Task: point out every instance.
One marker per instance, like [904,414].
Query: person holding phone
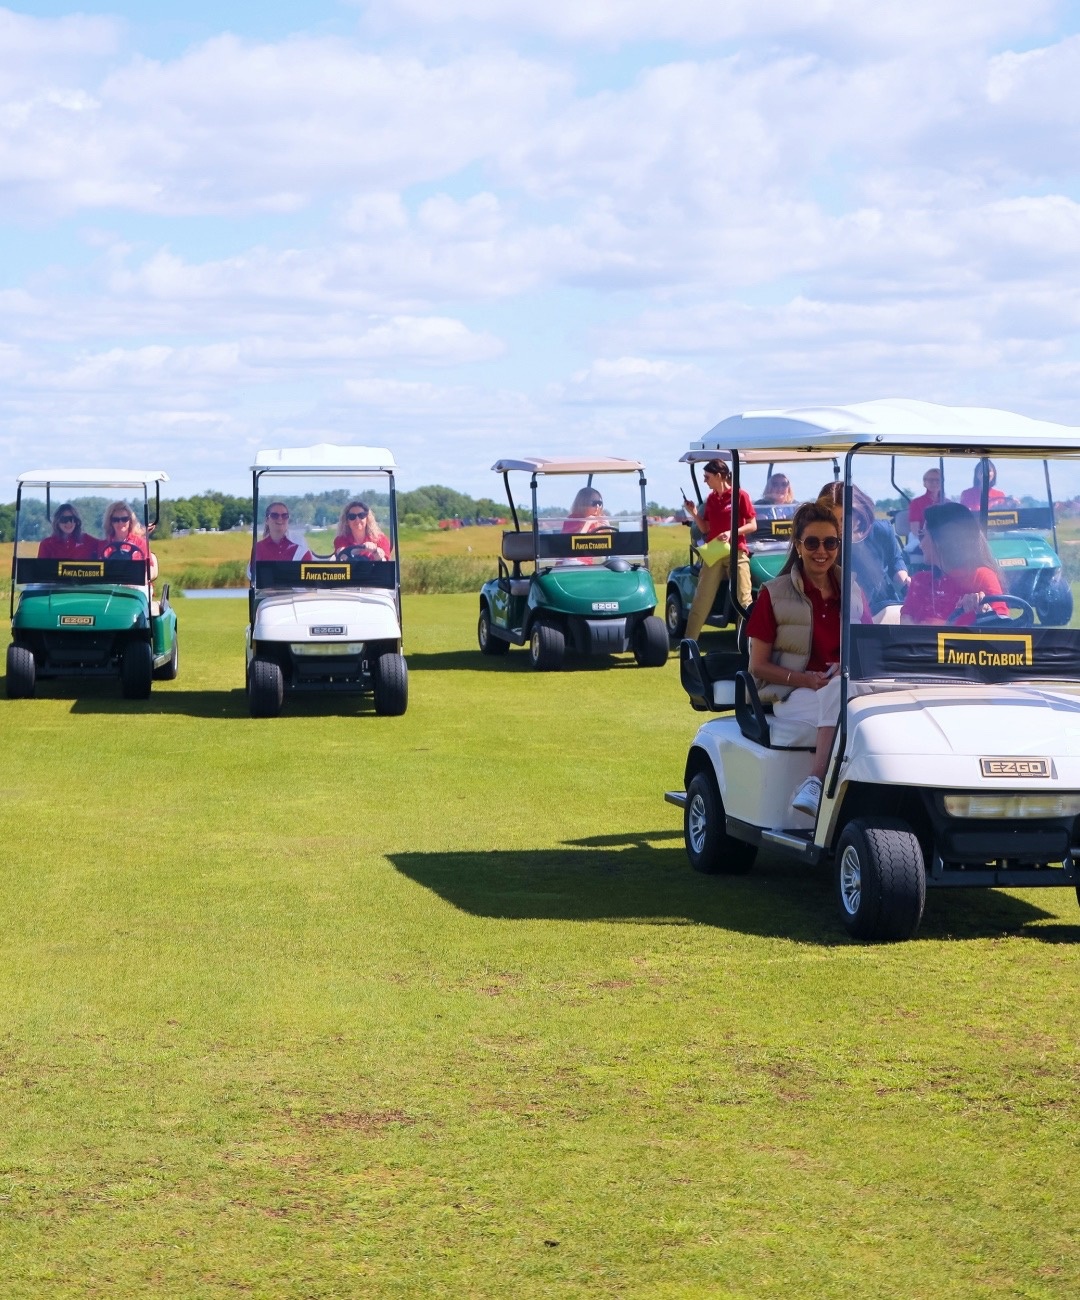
[714,520]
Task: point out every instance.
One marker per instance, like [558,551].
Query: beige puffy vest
[794,617]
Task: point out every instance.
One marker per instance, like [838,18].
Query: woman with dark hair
[714,521]
[877,562]
[794,632]
[67,541]
[962,573]
[972,496]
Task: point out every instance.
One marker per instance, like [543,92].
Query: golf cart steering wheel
[991,618]
[120,551]
[351,553]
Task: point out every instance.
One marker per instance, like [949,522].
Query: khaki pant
[709,580]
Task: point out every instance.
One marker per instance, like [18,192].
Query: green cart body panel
[594,593]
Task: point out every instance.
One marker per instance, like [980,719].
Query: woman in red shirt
[125,538]
[963,572]
[359,536]
[972,496]
[714,521]
[67,540]
[275,543]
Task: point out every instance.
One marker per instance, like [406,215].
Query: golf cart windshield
[323,529]
[66,535]
[992,549]
[586,518]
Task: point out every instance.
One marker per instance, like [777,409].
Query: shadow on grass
[646,879]
[516,660]
[98,698]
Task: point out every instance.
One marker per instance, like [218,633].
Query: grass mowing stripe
[336,1004]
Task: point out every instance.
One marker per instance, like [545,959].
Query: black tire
[708,845]
[266,688]
[168,670]
[391,684]
[649,643]
[490,644]
[1055,605]
[674,617]
[547,647]
[137,671]
[880,880]
[21,673]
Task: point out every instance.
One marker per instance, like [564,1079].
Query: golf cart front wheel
[880,880]
[168,670]
[490,644]
[650,643]
[21,673]
[675,617]
[547,647]
[137,671]
[391,685]
[266,688]
[708,845]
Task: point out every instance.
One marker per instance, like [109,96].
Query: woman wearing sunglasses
[67,541]
[359,536]
[275,543]
[125,538]
[794,632]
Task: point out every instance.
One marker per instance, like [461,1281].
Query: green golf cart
[768,544]
[575,575]
[84,608]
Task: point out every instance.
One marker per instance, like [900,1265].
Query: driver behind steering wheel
[962,574]
[359,536]
[124,537]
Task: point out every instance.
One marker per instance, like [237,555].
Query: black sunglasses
[812,543]
[277,514]
[65,519]
[357,514]
[119,519]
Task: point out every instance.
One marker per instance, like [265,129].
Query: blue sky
[471,228]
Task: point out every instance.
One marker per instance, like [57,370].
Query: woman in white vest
[794,635]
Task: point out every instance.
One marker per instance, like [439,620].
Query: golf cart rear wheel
[490,644]
[21,673]
[708,845]
[266,688]
[880,880]
[1054,606]
[675,617]
[168,670]
[547,647]
[650,643]
[137,671]
[391,685]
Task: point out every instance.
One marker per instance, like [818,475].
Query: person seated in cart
[794,631]
[962,573]
[125,538]
[972,496]
[275,543]
[714,521]
[586,513]
[932,496]
[778,492]
[67,541]
[359,536]
[878,562]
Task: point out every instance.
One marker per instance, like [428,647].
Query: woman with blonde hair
[124,538]
[359,536]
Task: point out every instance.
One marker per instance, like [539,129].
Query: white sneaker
[807,797]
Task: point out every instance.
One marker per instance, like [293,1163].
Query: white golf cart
[957,753]
[325,608]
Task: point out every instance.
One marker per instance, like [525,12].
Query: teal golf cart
[573,576]
[768,544]
[86,610]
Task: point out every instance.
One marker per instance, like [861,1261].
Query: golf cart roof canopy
[94,477]
[890,422]
[770,457]
[569,465]
[325,456]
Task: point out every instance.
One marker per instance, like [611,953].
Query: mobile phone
[832,670]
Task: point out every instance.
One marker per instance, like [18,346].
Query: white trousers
[805,710]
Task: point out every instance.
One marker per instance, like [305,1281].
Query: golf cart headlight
[339,648]
[1012,806]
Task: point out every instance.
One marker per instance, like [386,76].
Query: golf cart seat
[758,723]
[901,523]
[517,547]
[709,679]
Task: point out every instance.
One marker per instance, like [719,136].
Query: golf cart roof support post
[510,498]
[535,526]
[642,480]
[694,480]
[733,554]
[255,476]
[15,548]
[397,548]
[848,586]
[1050,502]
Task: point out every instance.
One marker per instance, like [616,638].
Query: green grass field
[336,1005]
